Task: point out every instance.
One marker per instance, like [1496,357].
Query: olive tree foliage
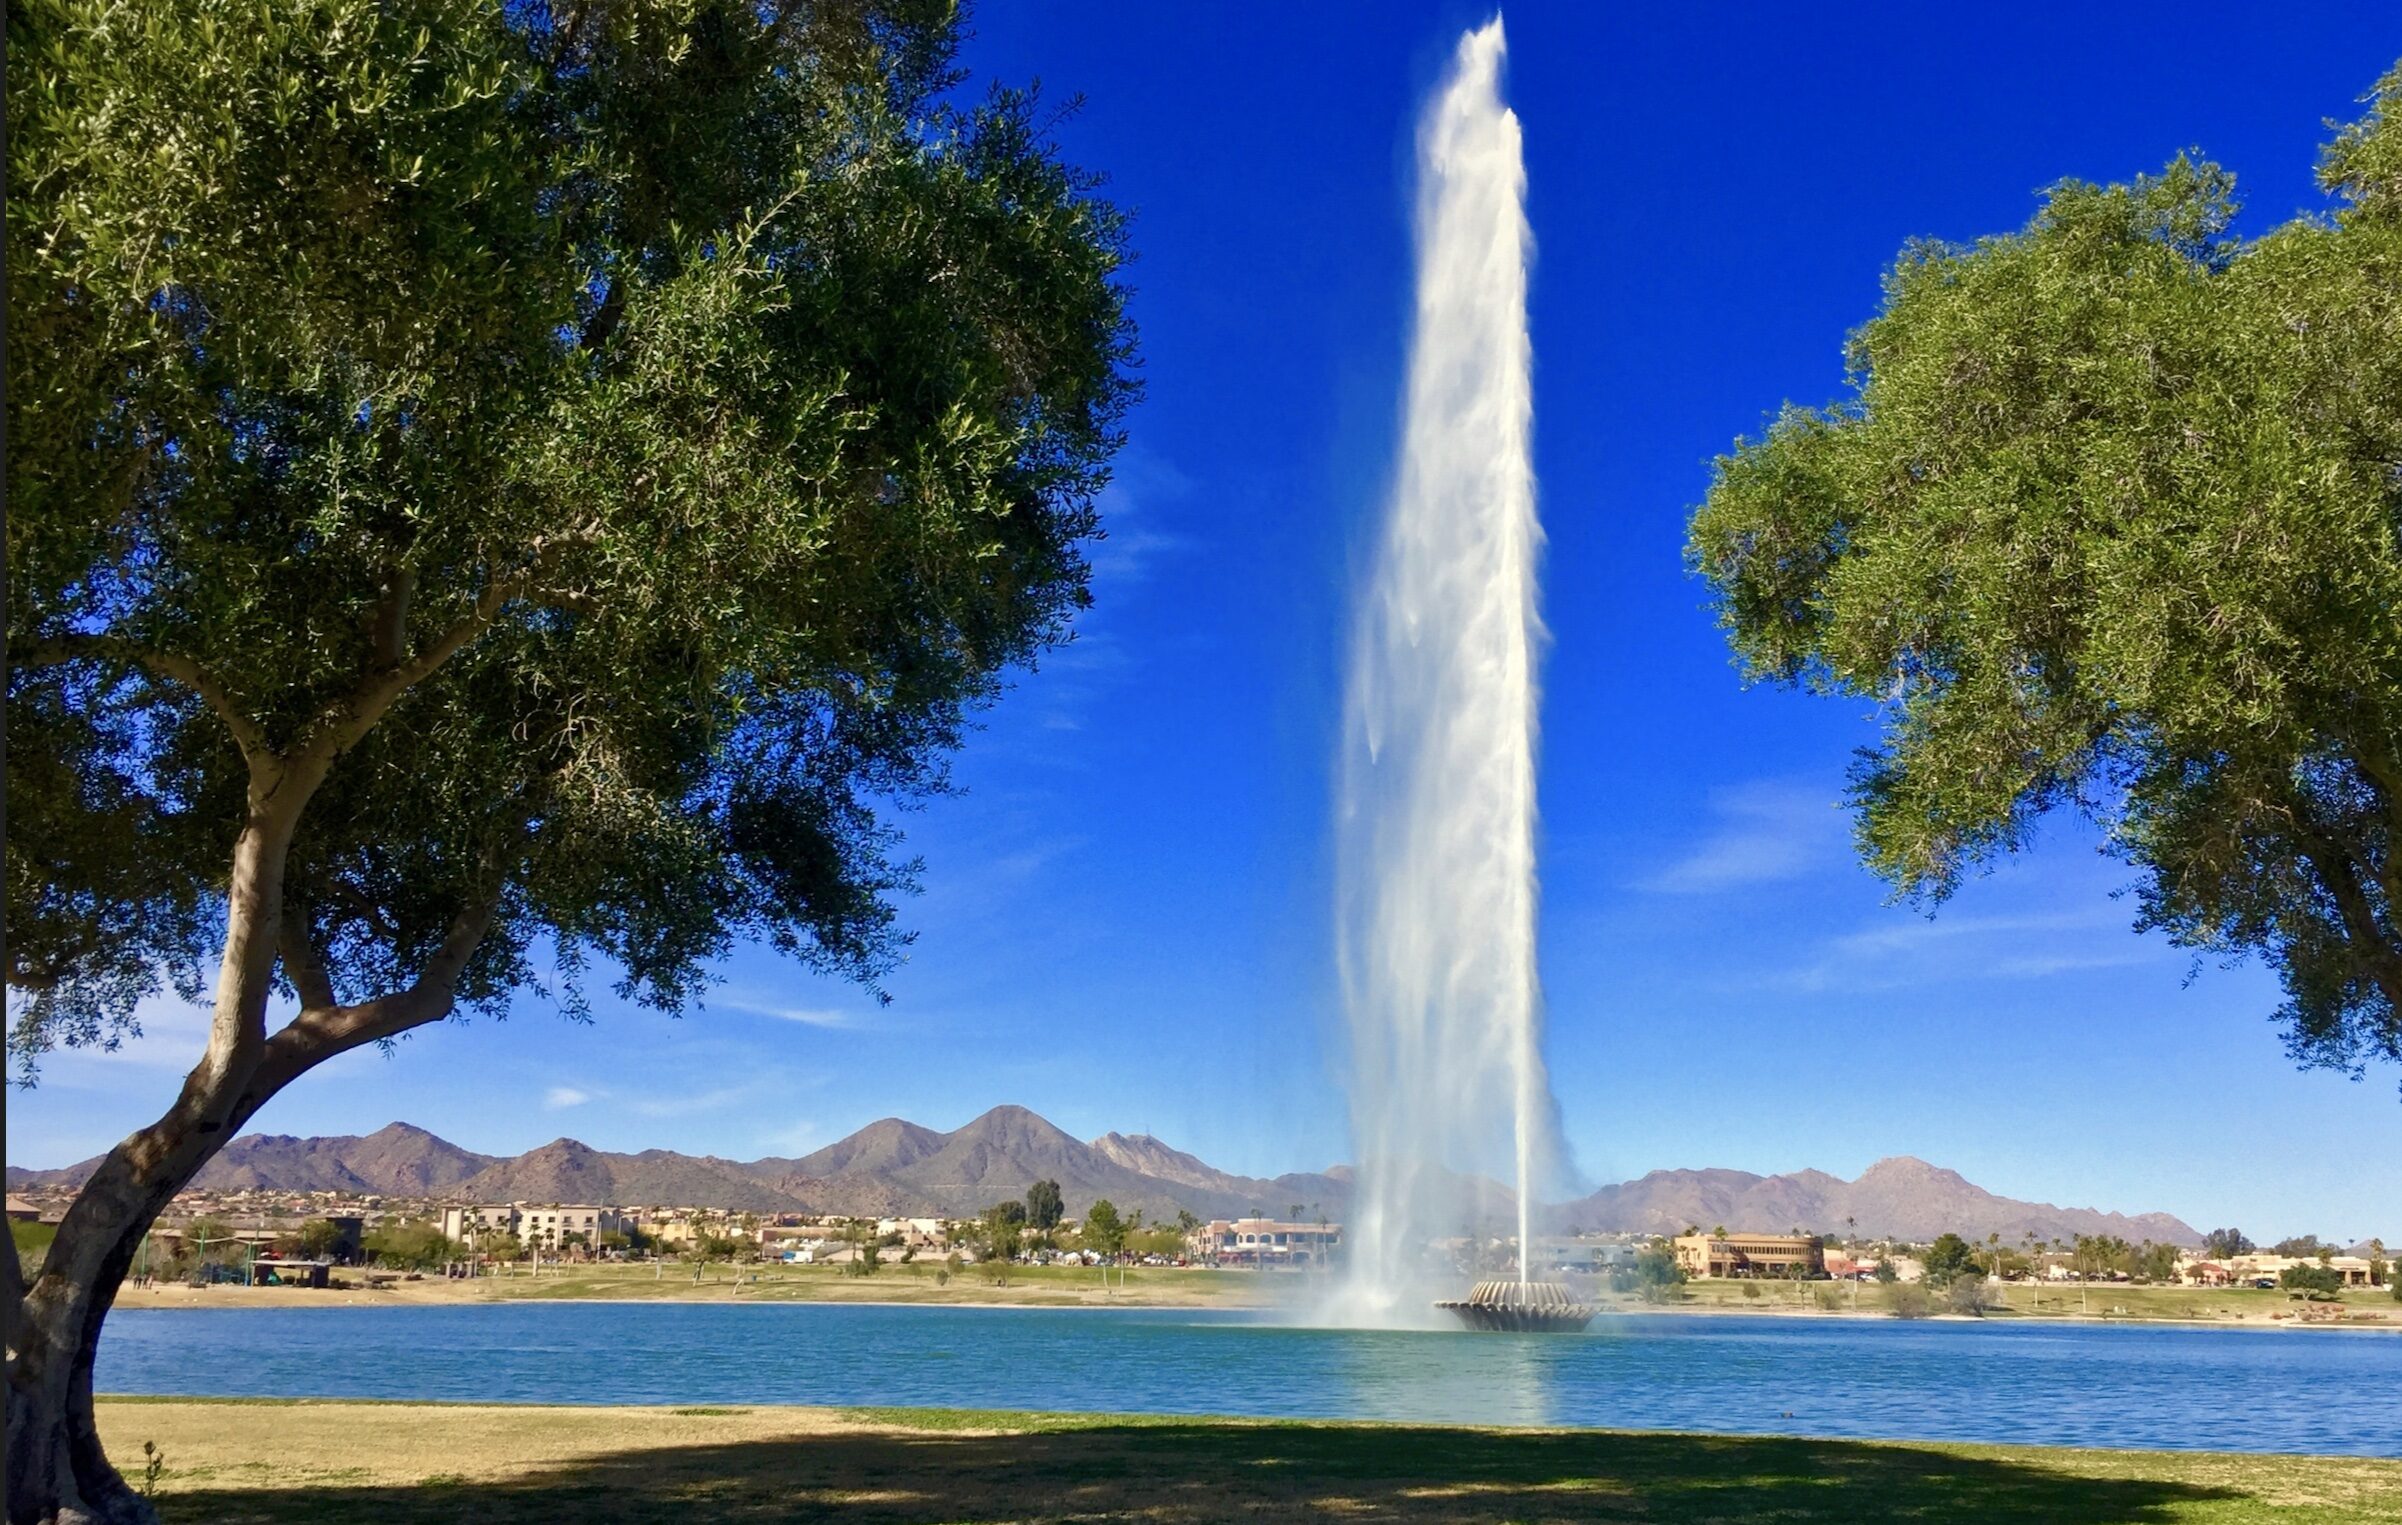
[499,489]
[595,452]
[2111,520]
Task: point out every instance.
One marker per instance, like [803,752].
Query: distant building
[1263,1241]
[537,1226]
[1717,1255]
[2354,1269]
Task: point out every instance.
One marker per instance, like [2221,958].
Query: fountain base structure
[1529,1307]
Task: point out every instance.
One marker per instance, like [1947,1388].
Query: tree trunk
[57,1472]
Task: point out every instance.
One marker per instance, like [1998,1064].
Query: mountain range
[895,1167]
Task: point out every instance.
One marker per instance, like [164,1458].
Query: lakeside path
[1081,1287]
[326,1463]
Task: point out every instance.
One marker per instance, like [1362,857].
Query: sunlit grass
[383,1464]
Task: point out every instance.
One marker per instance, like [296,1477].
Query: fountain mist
[1437,806]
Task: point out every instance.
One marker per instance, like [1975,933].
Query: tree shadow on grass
[1182,1474]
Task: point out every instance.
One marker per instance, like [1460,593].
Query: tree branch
[367,909]
[319,1033]
[388,629]
[339,728]
[172,666]
[605,318]
[303,966]
[2371,945]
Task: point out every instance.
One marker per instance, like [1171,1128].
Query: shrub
[1751,1289]
[1653,1274]
[1908,1300]
[1966,1294]
[1828,1297]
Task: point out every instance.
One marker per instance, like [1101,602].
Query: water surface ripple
[2318,1391]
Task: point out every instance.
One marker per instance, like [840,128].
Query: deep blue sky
[1126,920]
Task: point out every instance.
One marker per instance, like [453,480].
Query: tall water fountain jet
[1437,803]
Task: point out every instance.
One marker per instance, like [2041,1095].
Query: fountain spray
[1437,784]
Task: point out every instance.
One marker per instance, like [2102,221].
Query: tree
[866,1246]
[2108,522]
[319,1238]
[2302,1246]
[409,1244]
[1003,1227]
[1949,1256]
[2317,1279]
[1653,1275]
[2154,1262]
[2226,1243]
[498,490]
[1104,1230]
[1043,1206]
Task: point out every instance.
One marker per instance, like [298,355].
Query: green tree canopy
[596,454]
[1043,1206]
[498,491]
[1104,1230]
[2222,1243]
[1003,1229]
[1949,1256]
[410,1243]
[2112,520]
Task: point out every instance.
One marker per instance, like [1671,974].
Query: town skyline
[895,1165]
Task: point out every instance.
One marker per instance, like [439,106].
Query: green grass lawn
[383,1464]
[2101,1300]
[1035,1286]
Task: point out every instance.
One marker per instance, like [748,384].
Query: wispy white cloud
[1764,831]
[1906,950]
[1133,543]
[793,1138]
[689,1103]
[558,1098]
[810,1016]
[172,1033]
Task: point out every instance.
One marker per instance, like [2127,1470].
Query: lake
[2320,1391]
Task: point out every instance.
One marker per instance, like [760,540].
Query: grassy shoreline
[344,1463]
[1060,1287]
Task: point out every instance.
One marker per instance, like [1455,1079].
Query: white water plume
[1437,806]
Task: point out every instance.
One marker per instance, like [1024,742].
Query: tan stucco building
[1751,1254]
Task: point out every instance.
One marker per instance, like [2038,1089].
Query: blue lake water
[2212,1389]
